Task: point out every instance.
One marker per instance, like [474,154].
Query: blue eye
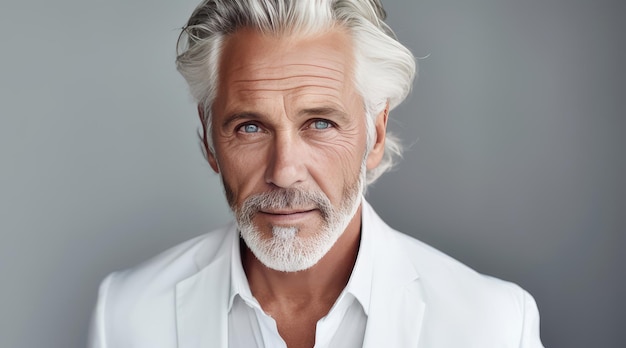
[249,128]
[321,124]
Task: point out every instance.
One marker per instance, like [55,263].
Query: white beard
[286,250]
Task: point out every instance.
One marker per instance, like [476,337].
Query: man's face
[289,135]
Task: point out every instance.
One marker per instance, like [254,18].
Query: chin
[289,248]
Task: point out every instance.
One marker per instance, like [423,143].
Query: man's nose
[286,166]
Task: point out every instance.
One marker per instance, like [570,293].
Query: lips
[286,217]
[286,212]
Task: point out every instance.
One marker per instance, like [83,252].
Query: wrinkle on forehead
[334,72]
[291,76]
[327,56]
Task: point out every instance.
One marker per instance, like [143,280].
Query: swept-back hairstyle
[384,68]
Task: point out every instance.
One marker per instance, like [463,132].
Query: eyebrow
[245,115]
[324,111]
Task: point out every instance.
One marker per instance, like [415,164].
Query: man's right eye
[249,128]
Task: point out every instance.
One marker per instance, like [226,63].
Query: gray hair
[384,68]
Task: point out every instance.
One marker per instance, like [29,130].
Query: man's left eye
[250,128]
[321,124]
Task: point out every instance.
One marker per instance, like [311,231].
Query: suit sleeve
[97,330]
[530,330]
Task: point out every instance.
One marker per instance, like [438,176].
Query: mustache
[285,198]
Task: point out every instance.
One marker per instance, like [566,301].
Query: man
[294,98]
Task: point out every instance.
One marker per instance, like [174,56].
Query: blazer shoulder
[171,266]
[430,262]
[441,273]
[160,274]
[463,300]
[135,303]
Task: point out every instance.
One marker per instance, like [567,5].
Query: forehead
[252,61]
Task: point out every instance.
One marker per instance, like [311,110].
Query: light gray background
[516,165]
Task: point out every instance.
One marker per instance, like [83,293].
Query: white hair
[384,68]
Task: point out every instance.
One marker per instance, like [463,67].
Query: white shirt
[343,326]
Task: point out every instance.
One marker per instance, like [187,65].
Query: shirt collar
[238,281]
[359,284]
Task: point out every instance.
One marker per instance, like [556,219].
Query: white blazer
[420,298]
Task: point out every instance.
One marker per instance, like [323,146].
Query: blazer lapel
[396,307]
[202,300]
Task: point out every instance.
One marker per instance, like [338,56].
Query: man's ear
[205,143]
[378,149]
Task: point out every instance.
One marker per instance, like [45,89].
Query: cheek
[242,172]
[337,165]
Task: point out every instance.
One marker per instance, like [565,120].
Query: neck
[319,285]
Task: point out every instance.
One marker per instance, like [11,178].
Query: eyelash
[240,128]
[313,122]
